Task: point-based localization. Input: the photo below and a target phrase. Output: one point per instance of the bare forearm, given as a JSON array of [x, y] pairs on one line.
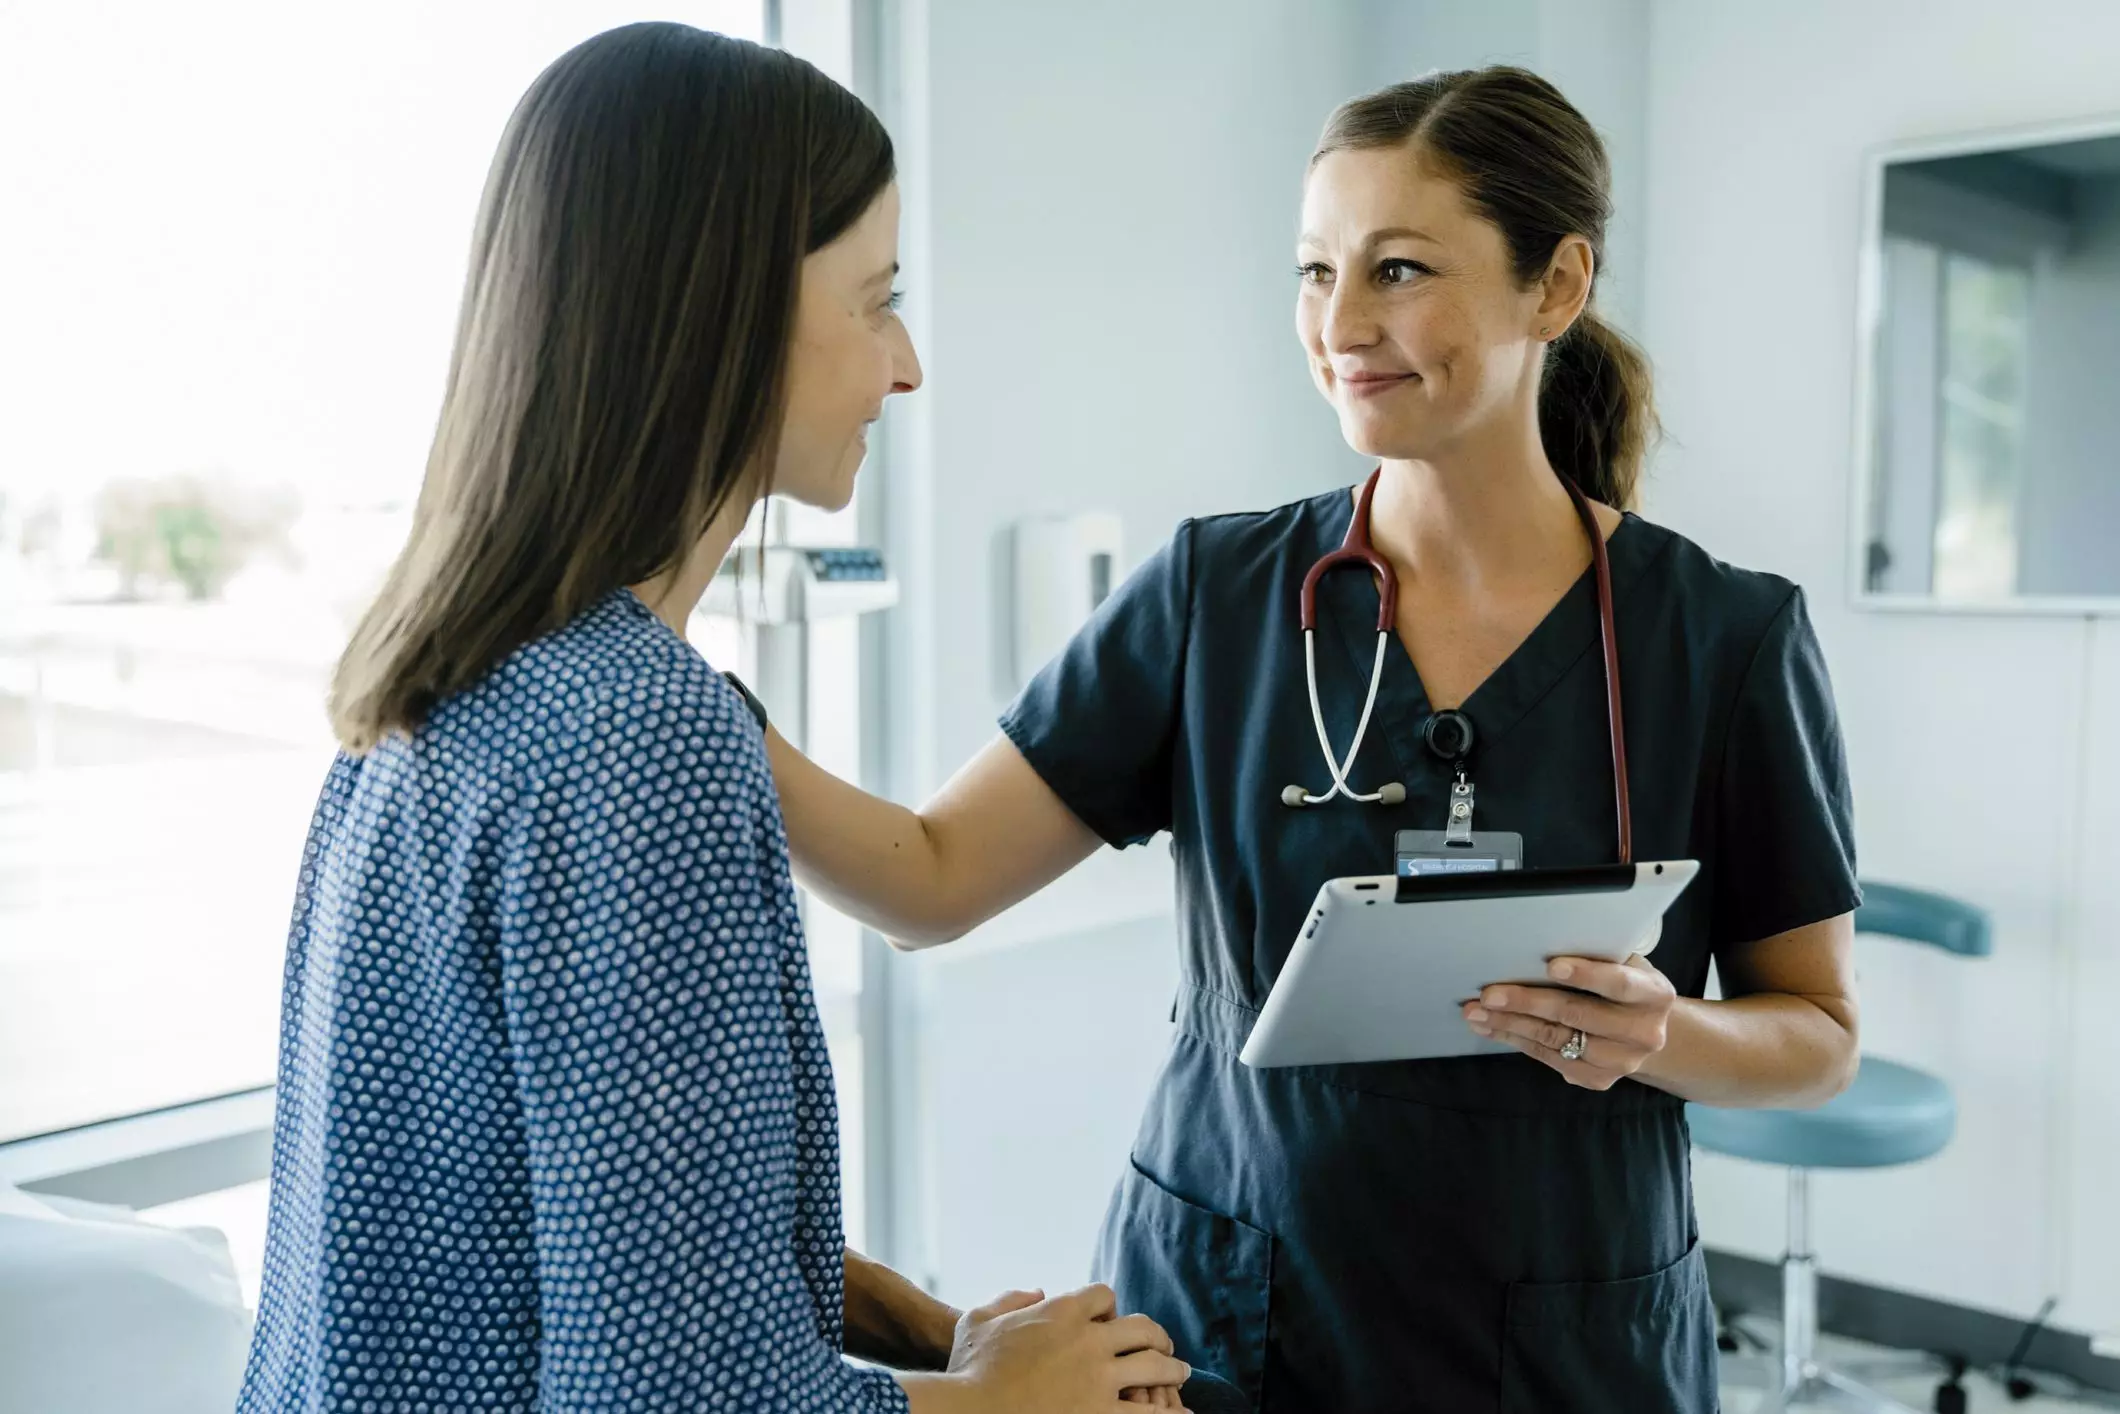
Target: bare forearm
[[1768, 1051], [993, 835], [891, 1322], [870, 858]]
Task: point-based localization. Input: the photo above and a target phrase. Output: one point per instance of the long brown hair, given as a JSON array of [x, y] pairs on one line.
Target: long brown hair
[[1530, 163], [618, 378]]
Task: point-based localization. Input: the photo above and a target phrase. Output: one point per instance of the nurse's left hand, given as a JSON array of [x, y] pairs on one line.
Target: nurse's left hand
[[1622, 1010]]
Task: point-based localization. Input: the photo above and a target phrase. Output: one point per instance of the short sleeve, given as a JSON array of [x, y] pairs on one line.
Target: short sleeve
[[1786, 851], [645, 968], [1100, 722]]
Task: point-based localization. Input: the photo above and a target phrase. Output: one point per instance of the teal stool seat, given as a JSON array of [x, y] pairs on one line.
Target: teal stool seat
[[1892, 1114]]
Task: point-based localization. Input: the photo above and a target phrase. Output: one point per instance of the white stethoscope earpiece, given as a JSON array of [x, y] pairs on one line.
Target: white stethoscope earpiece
[[1295, 797], [1390, 793]]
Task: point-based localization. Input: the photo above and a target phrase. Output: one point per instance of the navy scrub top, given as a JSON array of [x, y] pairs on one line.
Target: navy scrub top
[[1467, 1233]]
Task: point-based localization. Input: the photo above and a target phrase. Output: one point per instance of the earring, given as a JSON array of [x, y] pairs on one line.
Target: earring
[[1545, 330]]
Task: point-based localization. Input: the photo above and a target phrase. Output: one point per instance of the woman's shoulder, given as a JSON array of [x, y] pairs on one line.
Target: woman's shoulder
[[1233, 548], [1716, 599], [1273, 526], [614, 682]]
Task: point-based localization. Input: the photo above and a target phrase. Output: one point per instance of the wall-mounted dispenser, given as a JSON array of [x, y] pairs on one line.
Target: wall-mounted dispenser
[[1064, 567]]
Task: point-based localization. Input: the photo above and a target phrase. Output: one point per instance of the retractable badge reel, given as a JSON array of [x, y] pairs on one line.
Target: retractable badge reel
[[1457, 848]]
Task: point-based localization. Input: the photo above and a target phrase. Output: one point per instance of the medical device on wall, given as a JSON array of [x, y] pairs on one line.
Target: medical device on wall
[[781, 594], [791, 584], [1063, 568]]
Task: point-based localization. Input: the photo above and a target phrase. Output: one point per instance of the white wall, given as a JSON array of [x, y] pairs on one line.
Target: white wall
[[1596, 51], [1758, 121], [1040, 1057]]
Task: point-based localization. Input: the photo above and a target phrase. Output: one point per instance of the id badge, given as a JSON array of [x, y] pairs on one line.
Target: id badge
[[1425, 852]]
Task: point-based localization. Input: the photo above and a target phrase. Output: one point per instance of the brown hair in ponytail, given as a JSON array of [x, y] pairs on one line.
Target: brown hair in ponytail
[[1529, 162]]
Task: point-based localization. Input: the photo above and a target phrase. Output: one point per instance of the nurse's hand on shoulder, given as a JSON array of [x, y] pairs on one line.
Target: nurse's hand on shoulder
[[1621, 1009], [1067, 1355]]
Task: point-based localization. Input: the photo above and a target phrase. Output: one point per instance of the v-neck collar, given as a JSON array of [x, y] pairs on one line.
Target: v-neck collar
[[1546, 656]]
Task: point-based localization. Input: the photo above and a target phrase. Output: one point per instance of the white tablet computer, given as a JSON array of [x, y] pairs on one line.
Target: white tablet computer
[[1382, 965]]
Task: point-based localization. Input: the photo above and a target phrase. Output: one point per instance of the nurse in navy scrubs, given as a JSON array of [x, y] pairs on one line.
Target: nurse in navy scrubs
[[1509, 1230]]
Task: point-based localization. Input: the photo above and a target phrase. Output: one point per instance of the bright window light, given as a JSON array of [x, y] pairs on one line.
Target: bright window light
[[229, 275]]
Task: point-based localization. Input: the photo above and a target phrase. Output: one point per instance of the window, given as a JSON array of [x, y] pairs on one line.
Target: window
[[236, 239], [1952, 361], [1986, 345]]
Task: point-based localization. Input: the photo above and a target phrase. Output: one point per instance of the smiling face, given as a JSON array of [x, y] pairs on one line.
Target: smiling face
[[849, 353], [1418, 331]]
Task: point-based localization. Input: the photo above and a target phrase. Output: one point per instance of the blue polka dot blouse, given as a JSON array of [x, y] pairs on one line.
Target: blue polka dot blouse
[[555, 1126]]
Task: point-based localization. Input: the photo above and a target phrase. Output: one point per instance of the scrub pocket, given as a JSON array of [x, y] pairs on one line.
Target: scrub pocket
[[1644, 1346], [1202, 1275]]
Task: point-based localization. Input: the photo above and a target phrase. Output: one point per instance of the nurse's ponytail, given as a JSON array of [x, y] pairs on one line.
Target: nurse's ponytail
[[1529, 162], [1597, 410]]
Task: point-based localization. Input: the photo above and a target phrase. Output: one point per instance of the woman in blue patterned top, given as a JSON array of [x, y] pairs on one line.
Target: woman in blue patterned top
[[556, 1126]]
